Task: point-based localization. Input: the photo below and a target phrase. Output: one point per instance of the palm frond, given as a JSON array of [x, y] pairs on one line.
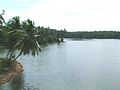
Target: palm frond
[[2, 19]]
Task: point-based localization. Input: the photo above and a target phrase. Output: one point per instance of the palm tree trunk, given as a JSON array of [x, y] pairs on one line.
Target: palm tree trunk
[[18, 55], [7, 54], [11, 54]]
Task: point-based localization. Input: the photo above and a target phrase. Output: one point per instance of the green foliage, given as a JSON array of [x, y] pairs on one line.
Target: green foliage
[[25, 38], [13, 23]]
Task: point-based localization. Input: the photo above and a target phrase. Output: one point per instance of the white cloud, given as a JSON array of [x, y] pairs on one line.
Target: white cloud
[[75, 14]]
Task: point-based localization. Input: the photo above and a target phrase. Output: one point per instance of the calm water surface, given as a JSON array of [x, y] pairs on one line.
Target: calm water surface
[[72, 65]]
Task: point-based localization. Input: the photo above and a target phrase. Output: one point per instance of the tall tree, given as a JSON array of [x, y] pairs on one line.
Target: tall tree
[[29, 43]]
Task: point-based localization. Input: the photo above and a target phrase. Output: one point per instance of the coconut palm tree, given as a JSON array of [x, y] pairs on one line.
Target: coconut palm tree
[[13, 35], [10, 41], [29, 42], [23, 38]]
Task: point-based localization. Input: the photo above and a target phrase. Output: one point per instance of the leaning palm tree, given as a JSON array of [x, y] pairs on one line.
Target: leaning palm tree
[[29, 42], [9, 41], [15, 36], [24, 39]]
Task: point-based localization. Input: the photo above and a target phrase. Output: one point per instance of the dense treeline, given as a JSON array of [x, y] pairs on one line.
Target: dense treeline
[[49, 35], [93, 35]]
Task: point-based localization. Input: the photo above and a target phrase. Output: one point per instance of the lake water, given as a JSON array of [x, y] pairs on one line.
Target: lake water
[[72, 65]]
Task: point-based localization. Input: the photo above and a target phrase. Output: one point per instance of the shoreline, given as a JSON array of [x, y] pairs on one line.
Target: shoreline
[[15, 70]]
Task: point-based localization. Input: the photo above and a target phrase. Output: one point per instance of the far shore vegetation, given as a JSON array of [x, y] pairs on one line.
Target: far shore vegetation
[[93, 34]]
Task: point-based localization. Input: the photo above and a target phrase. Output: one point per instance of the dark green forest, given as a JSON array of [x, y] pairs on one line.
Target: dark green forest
[[93, 35]]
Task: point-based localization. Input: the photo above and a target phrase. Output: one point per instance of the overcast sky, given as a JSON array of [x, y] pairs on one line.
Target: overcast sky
[[74, 15]]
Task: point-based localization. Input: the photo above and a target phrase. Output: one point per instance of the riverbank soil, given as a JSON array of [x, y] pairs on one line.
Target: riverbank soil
[[13, 71]]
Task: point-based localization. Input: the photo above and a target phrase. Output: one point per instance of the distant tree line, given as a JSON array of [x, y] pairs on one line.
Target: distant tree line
[[93, 34]]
